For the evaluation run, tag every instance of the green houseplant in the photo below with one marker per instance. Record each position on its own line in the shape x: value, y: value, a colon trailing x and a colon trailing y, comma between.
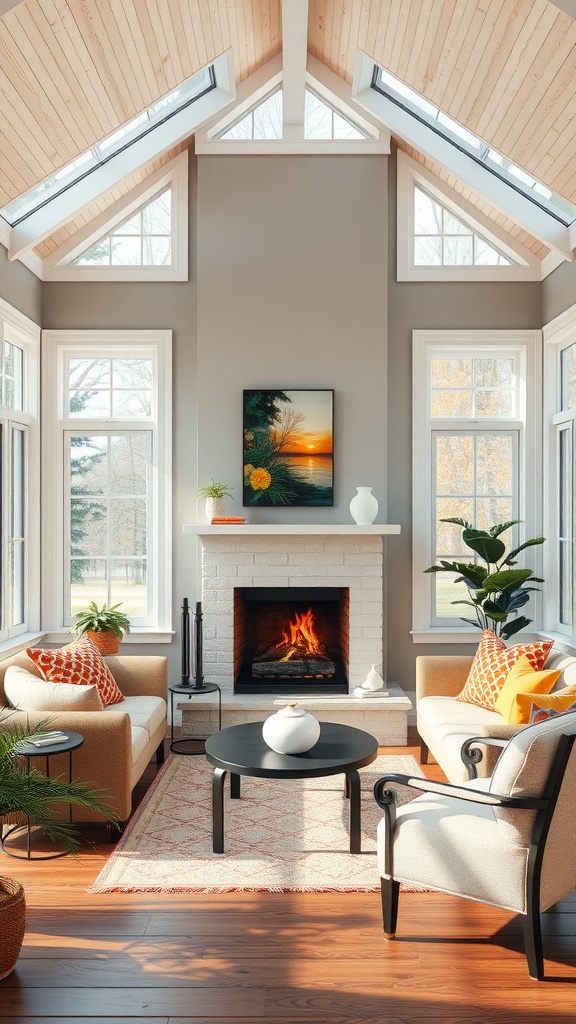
x: 105, y: 626
x: 30, y: 795
x: 496, y: 590
x: 214, y: 493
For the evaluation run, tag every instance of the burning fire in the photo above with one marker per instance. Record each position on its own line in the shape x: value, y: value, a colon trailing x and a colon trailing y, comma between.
x: 302, y: 641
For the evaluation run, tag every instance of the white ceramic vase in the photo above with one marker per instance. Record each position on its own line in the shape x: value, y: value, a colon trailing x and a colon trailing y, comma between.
x: 373, y: 680
x: 364, y: 507
x: 214, y: 507
x: 292, y: 730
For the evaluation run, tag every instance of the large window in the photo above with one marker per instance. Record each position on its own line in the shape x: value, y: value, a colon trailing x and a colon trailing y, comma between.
x: 471, y: 392
x: 560, y: 473
x: 19, y: 473
x: 109, y: 496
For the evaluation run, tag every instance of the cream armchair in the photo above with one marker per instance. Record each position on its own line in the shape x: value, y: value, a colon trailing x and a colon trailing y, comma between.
x: 508, y: 840
x: 118, y: 741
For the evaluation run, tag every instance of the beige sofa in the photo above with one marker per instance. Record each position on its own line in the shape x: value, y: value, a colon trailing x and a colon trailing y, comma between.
x: 118, y: 741
x: 445, y: 723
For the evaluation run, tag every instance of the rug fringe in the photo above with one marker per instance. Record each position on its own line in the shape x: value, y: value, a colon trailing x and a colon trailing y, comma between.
x: 98, y: 890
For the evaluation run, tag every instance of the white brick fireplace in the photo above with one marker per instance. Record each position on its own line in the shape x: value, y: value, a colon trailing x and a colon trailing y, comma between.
x: 268, y: 556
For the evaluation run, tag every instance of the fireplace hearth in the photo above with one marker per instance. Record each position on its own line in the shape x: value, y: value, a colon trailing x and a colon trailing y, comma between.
x: 291, y: 640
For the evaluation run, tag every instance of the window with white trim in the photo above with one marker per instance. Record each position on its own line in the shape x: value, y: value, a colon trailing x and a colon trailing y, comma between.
x: 107, y: 500
x: 560, y: 472
x: 19, y: 473
x: 443, y: 237
x: 471, y: 442
x: 144, y: 239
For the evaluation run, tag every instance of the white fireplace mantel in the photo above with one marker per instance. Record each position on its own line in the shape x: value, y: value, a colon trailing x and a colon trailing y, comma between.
x: 292, y: 529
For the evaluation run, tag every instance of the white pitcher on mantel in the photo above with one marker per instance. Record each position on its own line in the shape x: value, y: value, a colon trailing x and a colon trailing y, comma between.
x: 364, y: 507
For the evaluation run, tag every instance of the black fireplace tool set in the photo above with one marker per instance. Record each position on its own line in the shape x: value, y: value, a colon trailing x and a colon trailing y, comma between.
x: 198, y: 683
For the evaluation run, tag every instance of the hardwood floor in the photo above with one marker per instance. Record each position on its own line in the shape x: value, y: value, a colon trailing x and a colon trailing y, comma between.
x: 253, y: 958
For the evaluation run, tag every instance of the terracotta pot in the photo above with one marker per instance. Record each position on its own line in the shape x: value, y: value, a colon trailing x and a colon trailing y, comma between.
x: 12, y: 924
x: 106, y: 641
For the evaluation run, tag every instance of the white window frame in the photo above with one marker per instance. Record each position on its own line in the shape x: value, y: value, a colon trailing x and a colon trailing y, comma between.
x: 526, y: 266
x: 23, y: 332
x: 59, y: 265
x: 58, y: 347
x: 558, y: 335
x: 526, y: 347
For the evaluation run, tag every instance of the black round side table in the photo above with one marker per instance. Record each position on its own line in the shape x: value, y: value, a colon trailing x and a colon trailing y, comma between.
x: 70, y: 741
x: 179, y: 746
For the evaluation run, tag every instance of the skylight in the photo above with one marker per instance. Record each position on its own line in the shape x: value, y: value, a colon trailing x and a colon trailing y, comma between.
x: 165, y: 108
x: 321, y: 121
x: 463, y: 139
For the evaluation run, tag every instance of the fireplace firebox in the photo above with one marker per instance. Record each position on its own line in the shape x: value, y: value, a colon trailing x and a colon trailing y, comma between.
x: 291, y: 640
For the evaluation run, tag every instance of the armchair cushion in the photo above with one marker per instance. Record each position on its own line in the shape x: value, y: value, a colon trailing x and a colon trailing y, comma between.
x: 27, y: 692
x: 522, y: 771
x: 79, y: 663
x: 432, y: 839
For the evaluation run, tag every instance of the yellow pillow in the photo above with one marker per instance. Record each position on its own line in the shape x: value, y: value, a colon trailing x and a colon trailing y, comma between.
x: 538, y: 707
x: 522, y: 679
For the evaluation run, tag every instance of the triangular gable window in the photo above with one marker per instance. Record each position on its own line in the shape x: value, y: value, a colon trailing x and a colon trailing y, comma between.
x: 264, y: 121
x: 142, y: 240
x: 443, y: 240
x: 142, y: 236
x: 321, y: 121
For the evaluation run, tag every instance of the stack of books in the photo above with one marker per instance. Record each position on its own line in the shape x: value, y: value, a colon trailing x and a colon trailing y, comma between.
x: 227, y: 520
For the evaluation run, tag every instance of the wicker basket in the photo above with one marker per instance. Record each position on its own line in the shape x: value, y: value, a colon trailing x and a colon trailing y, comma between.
x: 106, y: 641
x: 12, y: 922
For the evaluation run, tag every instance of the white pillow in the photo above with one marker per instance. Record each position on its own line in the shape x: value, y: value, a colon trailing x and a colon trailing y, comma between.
x: 27, y: 692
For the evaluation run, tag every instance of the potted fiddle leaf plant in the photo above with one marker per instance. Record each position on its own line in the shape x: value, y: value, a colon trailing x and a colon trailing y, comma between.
x: 497, y: 590
x: 28, y: 795
x: 105, y: 626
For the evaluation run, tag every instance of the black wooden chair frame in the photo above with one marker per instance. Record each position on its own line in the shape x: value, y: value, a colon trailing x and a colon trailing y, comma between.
x: 386, y: 798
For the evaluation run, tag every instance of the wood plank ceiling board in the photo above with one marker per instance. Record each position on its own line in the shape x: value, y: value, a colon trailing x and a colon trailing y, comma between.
x: 505, y: 70
x: 74, y: 71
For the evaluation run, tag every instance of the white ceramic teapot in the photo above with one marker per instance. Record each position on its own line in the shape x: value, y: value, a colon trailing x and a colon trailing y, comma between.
x: 292, y: 730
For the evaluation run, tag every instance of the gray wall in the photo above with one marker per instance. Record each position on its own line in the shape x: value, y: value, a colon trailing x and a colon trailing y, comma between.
x: 292, y: 294
x: 558, y: 291
x: 287, y: 289
x: 430, y: 306
x: 20, y: 287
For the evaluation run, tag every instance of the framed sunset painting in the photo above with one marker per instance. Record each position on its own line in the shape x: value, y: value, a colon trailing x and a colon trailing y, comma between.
x: 288, y: 448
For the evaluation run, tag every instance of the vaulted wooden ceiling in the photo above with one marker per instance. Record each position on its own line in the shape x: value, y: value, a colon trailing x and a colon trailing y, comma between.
x: 72, y: 71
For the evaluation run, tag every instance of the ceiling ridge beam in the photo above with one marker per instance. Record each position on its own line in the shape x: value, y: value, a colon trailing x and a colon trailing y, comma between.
x: 295, y: 53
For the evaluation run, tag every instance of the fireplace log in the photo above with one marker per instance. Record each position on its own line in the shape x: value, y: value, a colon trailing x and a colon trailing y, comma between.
x: 293, y: 668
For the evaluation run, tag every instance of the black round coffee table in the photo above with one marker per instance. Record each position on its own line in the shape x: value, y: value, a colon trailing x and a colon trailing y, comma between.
x: 241, y: 750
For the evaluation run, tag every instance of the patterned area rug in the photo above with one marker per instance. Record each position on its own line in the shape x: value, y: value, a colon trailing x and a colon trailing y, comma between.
x: 281, y: 836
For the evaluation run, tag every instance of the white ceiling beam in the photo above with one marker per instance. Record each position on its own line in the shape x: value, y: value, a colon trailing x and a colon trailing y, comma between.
x: 295, y: 51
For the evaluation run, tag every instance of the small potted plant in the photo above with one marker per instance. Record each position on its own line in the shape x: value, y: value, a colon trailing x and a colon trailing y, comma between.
x: 28, y: 795
x: 214, y: 494
x: 105, y: 626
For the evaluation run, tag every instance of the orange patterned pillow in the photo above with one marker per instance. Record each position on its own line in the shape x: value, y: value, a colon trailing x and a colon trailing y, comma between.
x: 491, y: 665
x: 79, y: 662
